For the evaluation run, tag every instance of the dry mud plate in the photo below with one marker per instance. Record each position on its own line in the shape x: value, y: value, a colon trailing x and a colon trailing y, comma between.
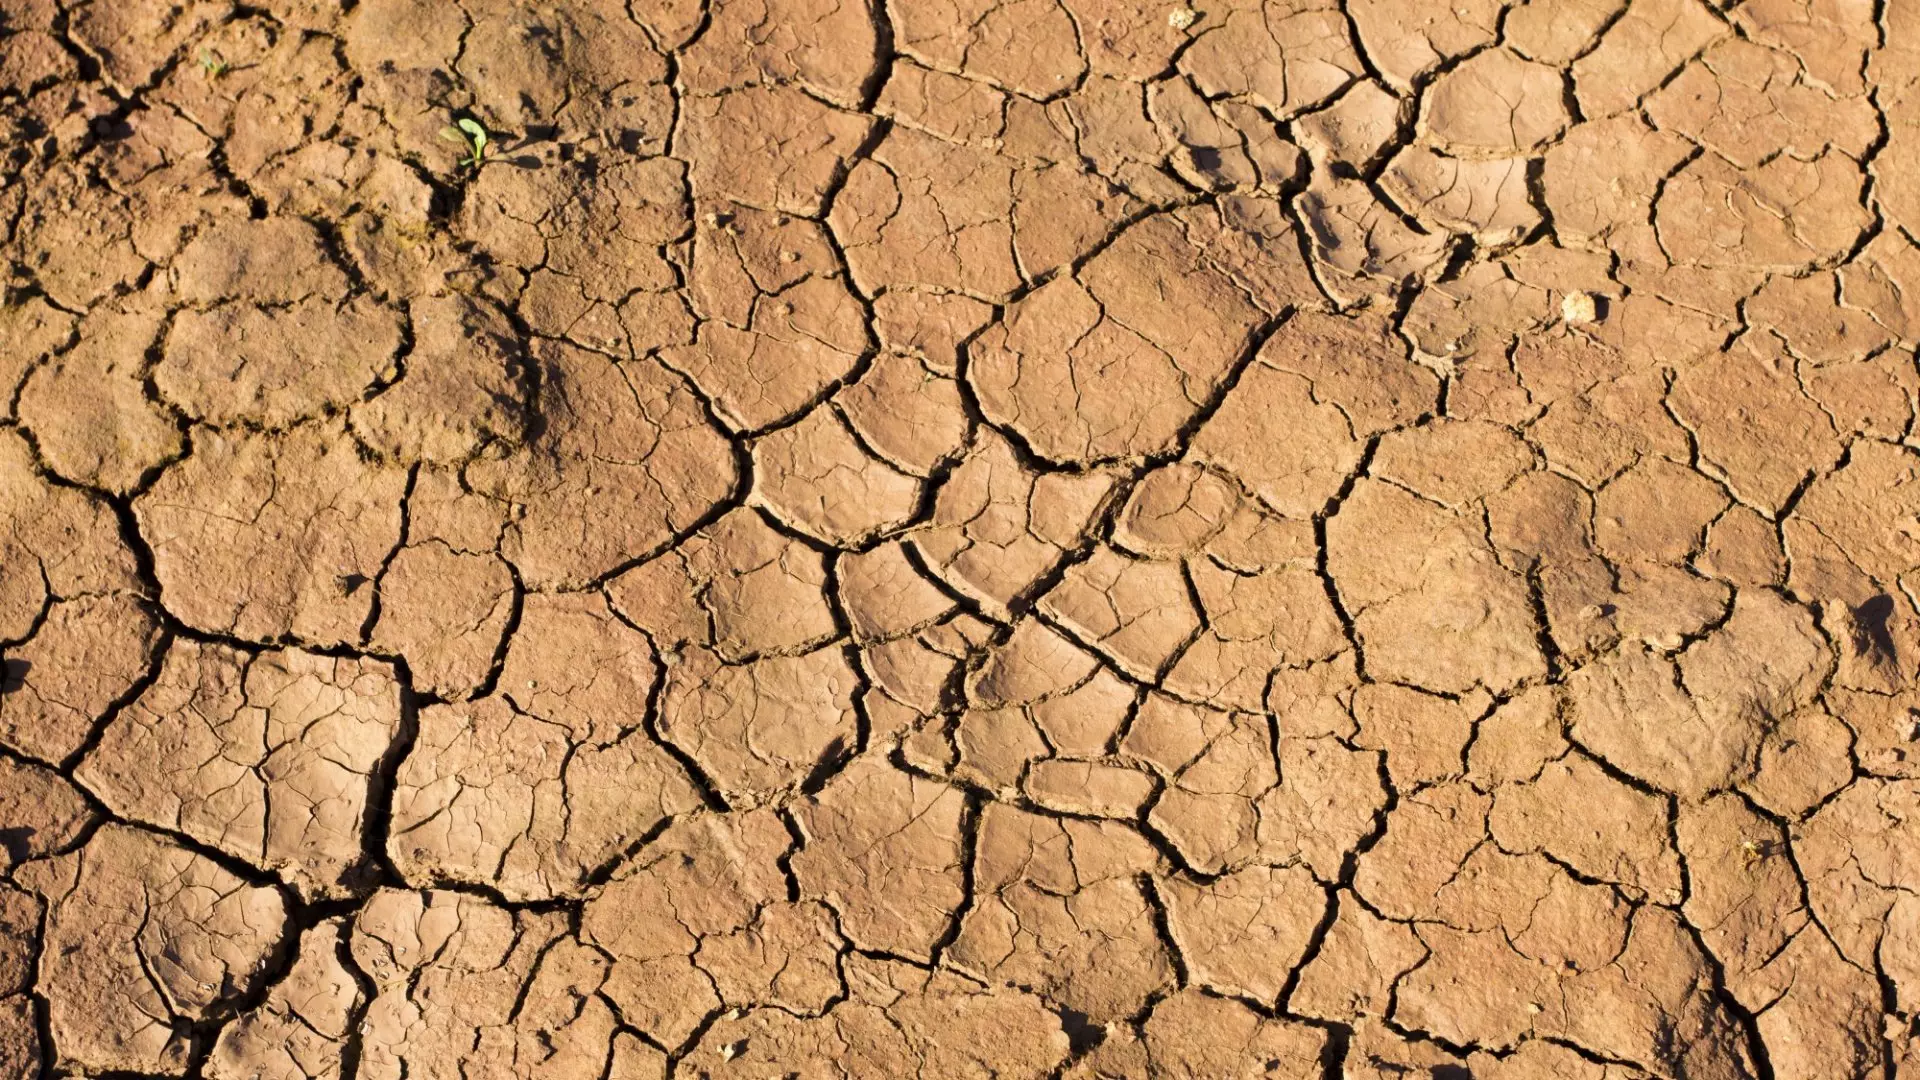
x: 963, y: 538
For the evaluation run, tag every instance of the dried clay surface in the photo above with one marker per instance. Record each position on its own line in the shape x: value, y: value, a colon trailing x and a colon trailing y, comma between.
x: 1049, y: 539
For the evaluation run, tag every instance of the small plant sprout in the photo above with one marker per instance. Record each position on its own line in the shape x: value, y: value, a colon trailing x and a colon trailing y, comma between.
x: 472, y: 135
x: 211, y: 64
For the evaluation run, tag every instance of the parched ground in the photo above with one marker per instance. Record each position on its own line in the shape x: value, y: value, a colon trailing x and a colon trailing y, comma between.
x: 974, y: 538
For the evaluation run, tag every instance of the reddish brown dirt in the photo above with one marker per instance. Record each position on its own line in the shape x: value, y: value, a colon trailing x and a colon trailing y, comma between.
x: 960, y: 538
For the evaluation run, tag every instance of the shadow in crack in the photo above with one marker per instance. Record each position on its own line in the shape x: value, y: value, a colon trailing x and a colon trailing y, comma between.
x: 17, y: 842
x: 832, y: 757
x: 1082, y: 1033
x: 13, y: 674
x: 1872, y: 634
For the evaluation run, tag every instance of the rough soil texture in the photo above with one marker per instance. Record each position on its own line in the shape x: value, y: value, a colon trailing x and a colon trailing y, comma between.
x: 1077, y: 539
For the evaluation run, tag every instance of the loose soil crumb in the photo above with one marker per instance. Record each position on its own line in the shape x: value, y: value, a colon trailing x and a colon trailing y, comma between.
x: 1054, y: 539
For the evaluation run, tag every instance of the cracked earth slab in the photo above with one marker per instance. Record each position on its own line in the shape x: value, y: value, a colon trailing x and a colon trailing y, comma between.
x: 1019, y: 538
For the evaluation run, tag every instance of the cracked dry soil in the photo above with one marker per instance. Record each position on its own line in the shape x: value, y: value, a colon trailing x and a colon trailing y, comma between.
x: 960, y: 538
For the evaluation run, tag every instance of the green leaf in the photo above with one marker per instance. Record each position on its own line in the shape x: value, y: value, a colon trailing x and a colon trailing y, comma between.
x: 453, y: 134
x: 473, y: 128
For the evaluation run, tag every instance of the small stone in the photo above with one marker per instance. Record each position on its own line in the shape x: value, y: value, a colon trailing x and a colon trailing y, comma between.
x: 1181, y: 18
x: 1578, y: 308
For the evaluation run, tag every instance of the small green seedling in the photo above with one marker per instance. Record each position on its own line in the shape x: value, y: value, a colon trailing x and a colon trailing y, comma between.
x: 212, y: 65
x: 472, y: 135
